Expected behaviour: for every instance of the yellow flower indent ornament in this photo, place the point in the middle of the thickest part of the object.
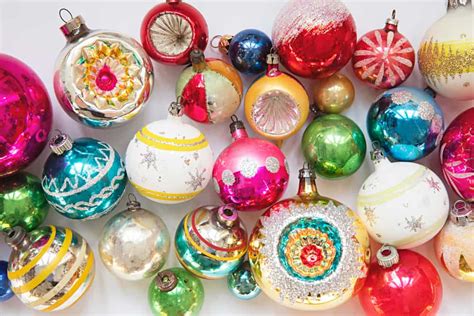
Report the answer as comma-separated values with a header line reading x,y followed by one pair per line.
x,y
276,104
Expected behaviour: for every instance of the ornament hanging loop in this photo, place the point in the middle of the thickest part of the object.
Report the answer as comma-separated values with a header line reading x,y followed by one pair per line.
x,y
387,256
176,108
132,203
61,16
60,143
166,281
214,39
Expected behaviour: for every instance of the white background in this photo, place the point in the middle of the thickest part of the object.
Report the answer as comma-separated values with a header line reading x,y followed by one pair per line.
x,y
29,30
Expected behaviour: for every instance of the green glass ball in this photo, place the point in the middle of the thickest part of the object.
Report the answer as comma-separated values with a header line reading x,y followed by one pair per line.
x,y
175,292
334,146
22,202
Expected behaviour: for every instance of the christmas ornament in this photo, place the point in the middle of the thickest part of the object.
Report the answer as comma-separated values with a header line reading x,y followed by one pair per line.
x,y
446,54
407,122
383,58
83,179
247,50
25,113
456,151
169,161
309,252
50,268
453,245
401,283
276,105
102,78
250,173
171,30
242,284
403,204
211,241
334,94
175,292
22,202
334,146
135,243
314,38
210,89
5,291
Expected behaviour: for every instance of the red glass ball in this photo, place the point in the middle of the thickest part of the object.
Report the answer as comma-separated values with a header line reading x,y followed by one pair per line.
x,y
412,287
25,115
171,30
383,58
314,38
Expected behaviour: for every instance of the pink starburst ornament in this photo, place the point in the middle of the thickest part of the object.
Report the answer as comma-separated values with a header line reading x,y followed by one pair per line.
x,y
383,58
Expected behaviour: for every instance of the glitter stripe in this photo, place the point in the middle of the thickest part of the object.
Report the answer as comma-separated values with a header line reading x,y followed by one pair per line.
x,y
21,272
171,145
192,141
41,276
165,195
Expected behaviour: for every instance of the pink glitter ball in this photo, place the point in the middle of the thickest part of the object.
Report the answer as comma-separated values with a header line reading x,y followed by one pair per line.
x,y
456,155
25,113
251,173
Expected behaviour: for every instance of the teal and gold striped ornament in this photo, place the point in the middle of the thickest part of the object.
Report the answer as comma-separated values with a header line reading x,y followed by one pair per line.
x,y
83,179
50,268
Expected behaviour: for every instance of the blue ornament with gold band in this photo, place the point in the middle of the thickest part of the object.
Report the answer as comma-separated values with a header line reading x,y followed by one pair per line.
x,y
83,179
309,252
406,122
211,241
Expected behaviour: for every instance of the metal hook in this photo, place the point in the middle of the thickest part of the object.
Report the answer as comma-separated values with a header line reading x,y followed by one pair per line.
x,y
234,118
213,45
394,12
61,11
376,145
273,50
132,198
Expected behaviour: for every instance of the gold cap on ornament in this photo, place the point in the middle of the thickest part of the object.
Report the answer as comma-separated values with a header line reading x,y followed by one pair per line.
x,y
387,256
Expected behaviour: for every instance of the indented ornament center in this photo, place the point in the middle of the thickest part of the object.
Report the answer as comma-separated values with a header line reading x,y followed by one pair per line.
x,y
311,256
106,79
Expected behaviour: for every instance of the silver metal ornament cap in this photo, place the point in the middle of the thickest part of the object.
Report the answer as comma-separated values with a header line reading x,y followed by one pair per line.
x,y
60,144
166,280
16,236
306,172
387,256
73,27
227,216
273,59
454,4
132,203
236,124
461,213
393,20
176,108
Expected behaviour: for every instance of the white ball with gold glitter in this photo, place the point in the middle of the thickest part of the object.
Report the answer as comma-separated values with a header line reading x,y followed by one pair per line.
x,y
403,204
169,161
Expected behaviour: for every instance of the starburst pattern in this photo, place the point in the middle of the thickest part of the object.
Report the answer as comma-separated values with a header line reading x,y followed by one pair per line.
x,y
414,224
149,158
171,34
370,215
197,179
433,184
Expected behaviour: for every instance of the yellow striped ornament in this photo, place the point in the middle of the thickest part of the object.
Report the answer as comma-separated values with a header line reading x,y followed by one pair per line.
x,y
169,161
50,268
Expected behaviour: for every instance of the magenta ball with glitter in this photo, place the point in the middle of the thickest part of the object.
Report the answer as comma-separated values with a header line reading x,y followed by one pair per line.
x,y
251,173
25,115
456,155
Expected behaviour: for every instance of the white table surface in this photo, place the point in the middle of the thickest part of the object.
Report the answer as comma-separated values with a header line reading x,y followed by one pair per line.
x,y
29,30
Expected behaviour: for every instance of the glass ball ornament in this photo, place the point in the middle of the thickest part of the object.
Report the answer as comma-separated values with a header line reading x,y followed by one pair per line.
x,y
384,58
175,291
102,78
171,29
247,50
403,204
334,94
169,161
251,173
456,151
211,241
401,282
210,90
309,252
407,122
83,179
135,243
26,115
5,291
50,268
22,202
314,38
276,104
241,283
453,245
334,146
446,57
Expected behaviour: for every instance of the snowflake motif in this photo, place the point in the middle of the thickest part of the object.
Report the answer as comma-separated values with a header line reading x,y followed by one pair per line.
x,y
384,58
426,110
248,168
272,164
196,180
433,184
228,177
414,224
370,215
149,159
401,97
